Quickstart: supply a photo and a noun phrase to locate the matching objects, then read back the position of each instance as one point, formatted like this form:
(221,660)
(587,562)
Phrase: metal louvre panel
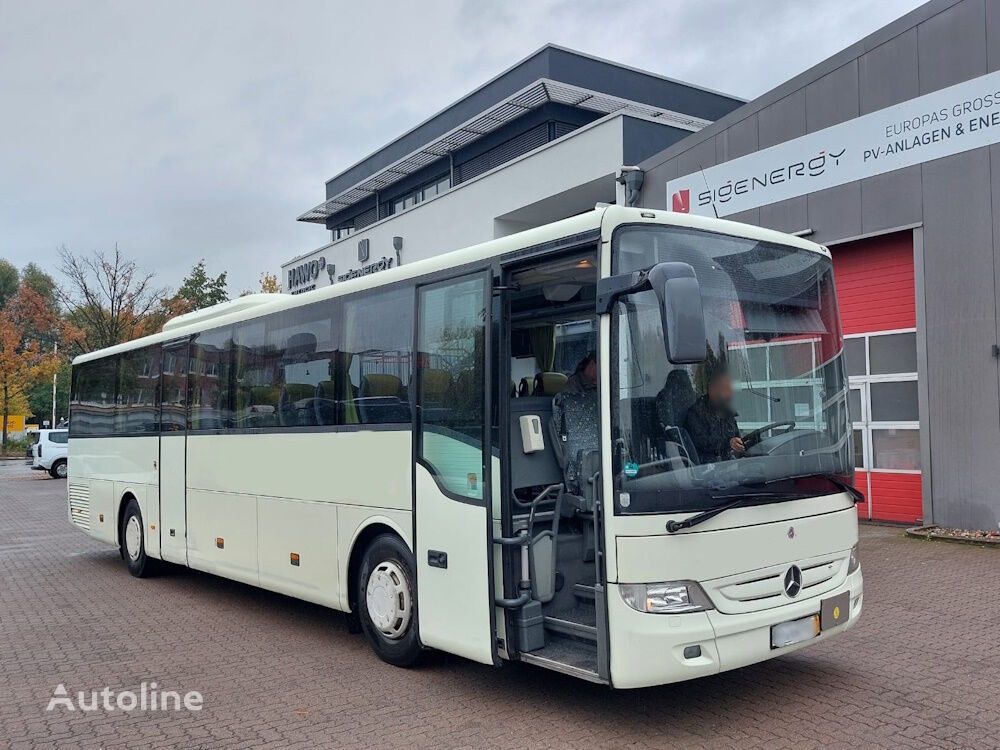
(79,505)
(486,122)
(763,589)
(505,152)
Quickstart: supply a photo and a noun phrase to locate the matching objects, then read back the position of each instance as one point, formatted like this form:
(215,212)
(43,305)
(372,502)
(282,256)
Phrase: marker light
(669,597)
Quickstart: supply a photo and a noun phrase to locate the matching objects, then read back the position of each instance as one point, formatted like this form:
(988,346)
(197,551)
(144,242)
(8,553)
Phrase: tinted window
(93,401)
(58,437)
(209,390)
(285,368)
(173,385)
(138,381)
(854,352)
(376,358)
(893,353)
(894,402)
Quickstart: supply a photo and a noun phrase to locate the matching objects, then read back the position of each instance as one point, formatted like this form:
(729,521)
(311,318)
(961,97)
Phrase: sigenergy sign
(945,122)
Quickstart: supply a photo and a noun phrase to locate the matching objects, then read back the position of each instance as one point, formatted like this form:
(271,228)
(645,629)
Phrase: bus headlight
(855,561)
(669,597)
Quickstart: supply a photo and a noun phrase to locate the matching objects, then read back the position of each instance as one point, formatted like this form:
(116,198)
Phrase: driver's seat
(672,404)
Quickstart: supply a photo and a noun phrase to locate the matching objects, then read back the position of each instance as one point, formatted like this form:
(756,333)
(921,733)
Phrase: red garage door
(877,302)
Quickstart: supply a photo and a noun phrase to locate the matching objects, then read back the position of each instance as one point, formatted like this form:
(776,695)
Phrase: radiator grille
(79,505)
(750,592)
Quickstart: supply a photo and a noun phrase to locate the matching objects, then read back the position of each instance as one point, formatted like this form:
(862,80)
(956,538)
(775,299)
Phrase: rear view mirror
(679,294)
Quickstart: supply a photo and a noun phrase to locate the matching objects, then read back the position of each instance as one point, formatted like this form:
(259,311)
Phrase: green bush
(16,447)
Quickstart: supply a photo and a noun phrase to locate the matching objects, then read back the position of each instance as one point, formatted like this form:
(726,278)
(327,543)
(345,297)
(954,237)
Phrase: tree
(23,362)
(197,291)
(8,281)
(108,298)
(269,283)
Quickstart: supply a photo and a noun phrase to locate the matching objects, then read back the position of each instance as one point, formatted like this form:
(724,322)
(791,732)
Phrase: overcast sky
(183,130)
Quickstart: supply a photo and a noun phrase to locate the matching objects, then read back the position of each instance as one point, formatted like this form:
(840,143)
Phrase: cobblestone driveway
(922,668)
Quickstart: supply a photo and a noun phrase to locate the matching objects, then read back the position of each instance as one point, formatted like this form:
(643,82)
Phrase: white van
(49,452)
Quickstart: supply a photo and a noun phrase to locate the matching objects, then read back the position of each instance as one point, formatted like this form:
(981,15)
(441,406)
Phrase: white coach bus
(616,446)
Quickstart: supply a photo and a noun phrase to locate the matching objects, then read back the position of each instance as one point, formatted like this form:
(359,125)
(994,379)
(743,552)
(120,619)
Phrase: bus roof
(256,305)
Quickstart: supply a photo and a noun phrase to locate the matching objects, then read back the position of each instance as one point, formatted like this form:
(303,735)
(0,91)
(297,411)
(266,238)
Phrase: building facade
(889,153)
(542,141)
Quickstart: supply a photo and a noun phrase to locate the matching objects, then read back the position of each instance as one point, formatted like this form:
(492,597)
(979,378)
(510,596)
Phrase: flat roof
(552,73)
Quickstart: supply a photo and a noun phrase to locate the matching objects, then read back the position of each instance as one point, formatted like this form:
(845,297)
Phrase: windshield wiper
(831,478)
(735,502)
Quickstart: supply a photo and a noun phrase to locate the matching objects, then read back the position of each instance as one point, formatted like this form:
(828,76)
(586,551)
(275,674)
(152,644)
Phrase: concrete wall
(466,214)
(956,201)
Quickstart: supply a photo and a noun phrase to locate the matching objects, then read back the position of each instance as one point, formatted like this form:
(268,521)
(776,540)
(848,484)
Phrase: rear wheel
(133,542)
(386,603)
(58,470)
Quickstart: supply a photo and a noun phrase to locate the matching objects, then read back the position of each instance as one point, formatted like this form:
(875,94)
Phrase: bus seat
(326,403)
(526,387)
(296,404)
(574,430)
(549,383)
(381,400)
(435,386)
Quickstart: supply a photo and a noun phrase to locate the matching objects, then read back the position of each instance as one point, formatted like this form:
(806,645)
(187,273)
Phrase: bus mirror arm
(679,296)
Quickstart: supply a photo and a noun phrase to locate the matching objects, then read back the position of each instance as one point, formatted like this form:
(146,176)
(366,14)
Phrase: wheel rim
(388,599)
(133,538)
(61,471)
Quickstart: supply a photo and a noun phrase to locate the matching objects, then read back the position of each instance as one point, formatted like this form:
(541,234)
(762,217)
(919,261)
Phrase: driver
(711,421)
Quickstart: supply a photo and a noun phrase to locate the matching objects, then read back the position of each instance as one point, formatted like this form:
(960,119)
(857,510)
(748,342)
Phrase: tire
(58,470)
(386,601)
(133,542)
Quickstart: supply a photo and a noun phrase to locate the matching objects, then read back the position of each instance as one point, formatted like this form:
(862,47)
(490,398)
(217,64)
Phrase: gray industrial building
(889,153)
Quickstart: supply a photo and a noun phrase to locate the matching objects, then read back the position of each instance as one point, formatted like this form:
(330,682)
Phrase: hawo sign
(949,121)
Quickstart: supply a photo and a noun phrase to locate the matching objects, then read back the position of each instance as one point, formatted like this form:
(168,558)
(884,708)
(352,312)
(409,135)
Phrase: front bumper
(648,649)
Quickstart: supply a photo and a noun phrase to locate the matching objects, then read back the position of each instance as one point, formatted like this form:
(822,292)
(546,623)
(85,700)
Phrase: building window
(423,193)
(883,400)
(339,233)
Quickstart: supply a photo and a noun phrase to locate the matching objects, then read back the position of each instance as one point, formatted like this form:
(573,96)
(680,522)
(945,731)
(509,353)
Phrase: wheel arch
(123,502)
(363,536)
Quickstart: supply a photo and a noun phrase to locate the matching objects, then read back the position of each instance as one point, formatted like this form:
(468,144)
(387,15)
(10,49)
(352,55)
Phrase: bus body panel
(110,468)
(648,649)
(704,552)
(222,534)
(352,520)
(173,490)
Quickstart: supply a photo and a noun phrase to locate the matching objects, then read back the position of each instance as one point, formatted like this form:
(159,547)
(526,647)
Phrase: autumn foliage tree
(23,360)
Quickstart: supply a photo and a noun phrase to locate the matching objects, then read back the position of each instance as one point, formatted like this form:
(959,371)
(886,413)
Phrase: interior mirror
(679,294)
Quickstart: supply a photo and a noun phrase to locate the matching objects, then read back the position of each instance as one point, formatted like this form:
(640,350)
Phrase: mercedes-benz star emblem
(793,581)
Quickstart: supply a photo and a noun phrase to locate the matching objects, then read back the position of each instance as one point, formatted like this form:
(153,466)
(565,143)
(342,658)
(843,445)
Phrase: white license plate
(794,631)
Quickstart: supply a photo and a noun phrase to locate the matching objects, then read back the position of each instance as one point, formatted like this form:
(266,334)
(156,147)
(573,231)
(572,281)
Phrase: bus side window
(375,368)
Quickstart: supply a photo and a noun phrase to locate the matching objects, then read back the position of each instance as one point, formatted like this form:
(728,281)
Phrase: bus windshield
(765,415)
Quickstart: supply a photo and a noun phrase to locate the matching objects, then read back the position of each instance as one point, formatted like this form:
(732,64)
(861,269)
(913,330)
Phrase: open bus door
(452,470)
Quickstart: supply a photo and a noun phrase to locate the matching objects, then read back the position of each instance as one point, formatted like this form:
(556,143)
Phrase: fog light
(692,652)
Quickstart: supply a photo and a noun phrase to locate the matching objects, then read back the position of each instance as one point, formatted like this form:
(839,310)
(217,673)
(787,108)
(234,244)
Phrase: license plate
(835,611)
(794,631)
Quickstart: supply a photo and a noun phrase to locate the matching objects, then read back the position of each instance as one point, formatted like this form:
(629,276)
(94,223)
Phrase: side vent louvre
(79,505)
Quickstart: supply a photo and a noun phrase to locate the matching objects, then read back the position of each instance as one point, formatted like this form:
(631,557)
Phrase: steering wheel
(754,436)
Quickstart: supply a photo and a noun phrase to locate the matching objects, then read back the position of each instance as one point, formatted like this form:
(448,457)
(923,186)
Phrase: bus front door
(452,473)
(173,446)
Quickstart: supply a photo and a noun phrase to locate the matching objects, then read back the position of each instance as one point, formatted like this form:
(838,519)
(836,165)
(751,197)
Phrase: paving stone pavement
(921,669)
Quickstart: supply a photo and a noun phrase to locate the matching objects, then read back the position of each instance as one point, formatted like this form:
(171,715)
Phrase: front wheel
(386,602)
(133,542)
(58,470)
